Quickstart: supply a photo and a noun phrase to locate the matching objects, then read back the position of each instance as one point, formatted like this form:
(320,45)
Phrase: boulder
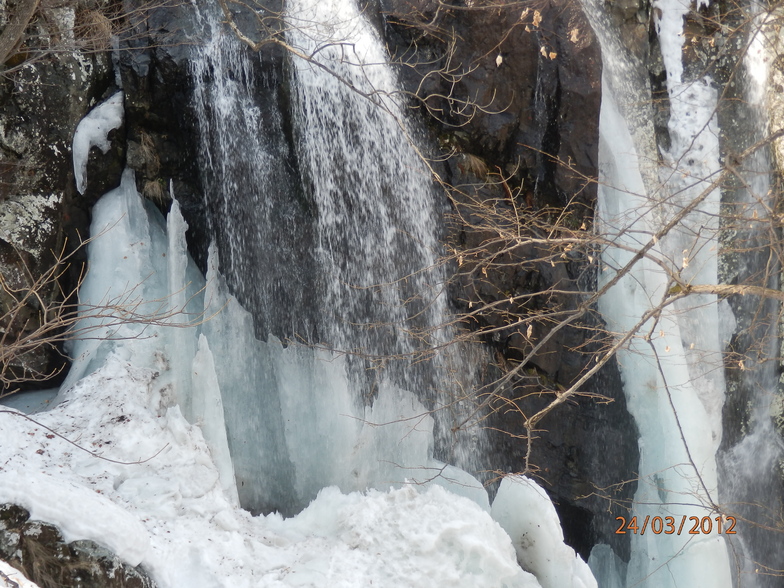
(38,550)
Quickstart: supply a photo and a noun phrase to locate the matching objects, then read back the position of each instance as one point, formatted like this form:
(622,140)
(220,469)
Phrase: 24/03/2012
(666,525)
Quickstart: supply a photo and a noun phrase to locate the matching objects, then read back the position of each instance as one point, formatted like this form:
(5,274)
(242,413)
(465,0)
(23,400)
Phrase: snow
(165,506)
(12,578)
(527,515)
(93,131)
(79,512)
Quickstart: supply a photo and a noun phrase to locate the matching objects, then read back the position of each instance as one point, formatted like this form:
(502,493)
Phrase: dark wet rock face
(517,86)
(38,550)
(161,141)
(513,93)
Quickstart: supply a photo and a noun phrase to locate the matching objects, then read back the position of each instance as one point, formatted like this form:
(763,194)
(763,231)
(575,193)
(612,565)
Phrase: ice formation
(526,513)
(672,382)
(672,369)
(93,131)
(166,508)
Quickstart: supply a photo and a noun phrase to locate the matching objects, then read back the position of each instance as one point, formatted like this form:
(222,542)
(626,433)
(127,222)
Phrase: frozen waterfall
(317,380)
(298,379)
(668,201)
(338,266)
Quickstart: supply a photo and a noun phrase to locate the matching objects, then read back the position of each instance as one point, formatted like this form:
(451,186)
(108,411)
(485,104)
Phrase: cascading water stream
(379,218)
(250,187)
(333,242)
(376,210)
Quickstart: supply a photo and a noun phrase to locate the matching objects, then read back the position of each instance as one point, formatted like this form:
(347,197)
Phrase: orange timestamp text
(669,525)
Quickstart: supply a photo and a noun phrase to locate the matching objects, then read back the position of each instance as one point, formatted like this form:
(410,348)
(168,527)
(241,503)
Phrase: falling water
(327,223)
(258,216)
(379,217)
(377,244)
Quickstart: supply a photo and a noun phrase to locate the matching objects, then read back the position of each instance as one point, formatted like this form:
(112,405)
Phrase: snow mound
(13,578)
(79,512)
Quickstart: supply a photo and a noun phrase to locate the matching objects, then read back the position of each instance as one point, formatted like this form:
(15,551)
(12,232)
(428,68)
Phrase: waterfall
(326,223)
(320,354)
(379,220)
(251,191)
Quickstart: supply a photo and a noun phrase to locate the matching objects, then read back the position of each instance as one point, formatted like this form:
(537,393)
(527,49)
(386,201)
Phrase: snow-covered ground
(11,578)
(164,507)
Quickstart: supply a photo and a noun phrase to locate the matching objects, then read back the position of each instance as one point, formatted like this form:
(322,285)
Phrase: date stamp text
(671,525)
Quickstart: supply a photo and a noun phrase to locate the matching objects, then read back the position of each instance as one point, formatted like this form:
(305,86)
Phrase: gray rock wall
(49,82)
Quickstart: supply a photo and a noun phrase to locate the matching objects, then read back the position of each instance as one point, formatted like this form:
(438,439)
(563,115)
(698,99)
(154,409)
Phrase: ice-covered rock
(93,131)
(13,578)
(43,555)
(79,512)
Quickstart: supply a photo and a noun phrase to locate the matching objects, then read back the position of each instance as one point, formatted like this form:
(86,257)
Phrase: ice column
(93,131)
(672,368)
(143,300)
